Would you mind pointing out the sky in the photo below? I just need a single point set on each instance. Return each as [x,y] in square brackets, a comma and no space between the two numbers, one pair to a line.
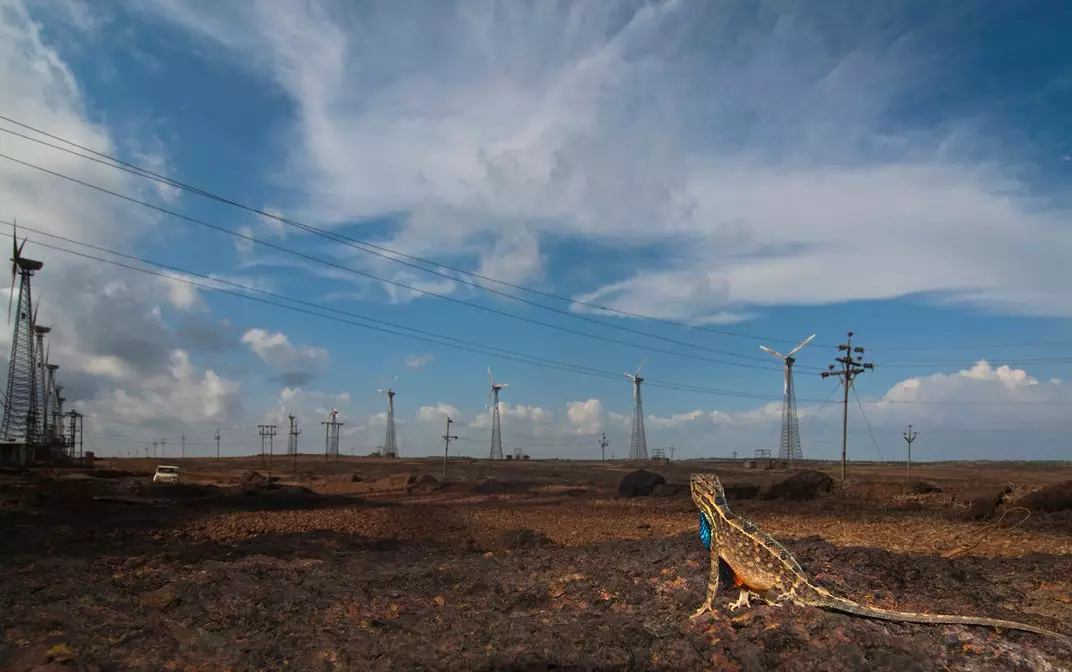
[559,191]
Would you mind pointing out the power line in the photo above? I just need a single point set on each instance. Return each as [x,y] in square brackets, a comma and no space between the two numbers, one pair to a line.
[393,256]
[280,248]
[868,423]
[371,248]
[419,334]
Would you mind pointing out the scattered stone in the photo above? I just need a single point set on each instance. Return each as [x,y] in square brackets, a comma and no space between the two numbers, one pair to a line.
[356,478]
[639,483]
[803,485]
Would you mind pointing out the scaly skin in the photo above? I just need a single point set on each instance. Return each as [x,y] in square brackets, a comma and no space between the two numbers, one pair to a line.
[765,568]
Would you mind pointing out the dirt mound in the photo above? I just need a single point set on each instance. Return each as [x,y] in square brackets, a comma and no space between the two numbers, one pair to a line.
[1056,497]
[921,488]
[523,538]
[252,479]
[735,491]
[803,485]
[669,490]
[639,483]
[983,503]
[423,483]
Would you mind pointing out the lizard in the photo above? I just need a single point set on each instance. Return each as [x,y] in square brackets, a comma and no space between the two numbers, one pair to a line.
[764,568]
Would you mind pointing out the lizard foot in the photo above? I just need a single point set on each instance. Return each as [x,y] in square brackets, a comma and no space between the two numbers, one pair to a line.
[704,608]
[743,600]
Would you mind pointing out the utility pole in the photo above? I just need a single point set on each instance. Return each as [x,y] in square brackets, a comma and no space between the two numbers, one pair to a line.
[909,436]
[163,448]
[217,437]
[155,444]
[672,449]
[852,365]
[183,437]
[446,446]
[735,454]
[292,441]
[603,448]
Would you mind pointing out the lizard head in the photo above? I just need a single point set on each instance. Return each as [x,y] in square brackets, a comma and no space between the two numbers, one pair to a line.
[708,495]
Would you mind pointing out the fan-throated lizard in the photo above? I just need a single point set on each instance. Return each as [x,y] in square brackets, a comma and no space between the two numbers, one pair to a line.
[763,567]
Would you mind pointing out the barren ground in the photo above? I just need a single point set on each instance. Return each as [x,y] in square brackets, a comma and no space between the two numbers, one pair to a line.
[532,565]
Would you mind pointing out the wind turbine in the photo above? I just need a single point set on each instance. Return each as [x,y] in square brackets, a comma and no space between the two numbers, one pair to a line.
[638,442]
[496,430]
[790,446]
[390,446]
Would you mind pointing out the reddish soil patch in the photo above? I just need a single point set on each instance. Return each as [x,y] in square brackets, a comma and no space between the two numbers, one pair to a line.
[533,572]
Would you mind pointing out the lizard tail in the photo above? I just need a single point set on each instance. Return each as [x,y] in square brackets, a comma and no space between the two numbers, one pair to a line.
[849,607]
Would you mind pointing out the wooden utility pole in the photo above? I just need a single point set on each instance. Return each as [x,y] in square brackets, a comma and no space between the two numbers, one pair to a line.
[603,448]
[909,437]
[217,443]
[183,438]
[852,365]
[446,446]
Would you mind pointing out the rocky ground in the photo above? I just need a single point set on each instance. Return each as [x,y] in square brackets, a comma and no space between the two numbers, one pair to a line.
[111,573]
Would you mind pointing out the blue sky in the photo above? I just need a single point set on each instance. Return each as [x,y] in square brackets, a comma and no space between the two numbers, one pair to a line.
[901,172]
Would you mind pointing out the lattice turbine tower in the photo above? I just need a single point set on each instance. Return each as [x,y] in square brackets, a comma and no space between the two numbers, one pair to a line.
[496,429]
[638,442]
[21,418]
[789,449]
[390,443]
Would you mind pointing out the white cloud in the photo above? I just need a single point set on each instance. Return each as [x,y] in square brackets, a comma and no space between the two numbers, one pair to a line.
[438,413]
[415,362]
[751,154]
[295,365]
[585,416]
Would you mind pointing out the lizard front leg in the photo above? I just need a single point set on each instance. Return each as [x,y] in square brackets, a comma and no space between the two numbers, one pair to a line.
[712,581]
[743,600]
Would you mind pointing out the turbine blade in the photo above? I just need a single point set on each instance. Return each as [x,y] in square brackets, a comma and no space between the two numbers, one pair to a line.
[18,252]
[772,352]
[629,375]
[502,385]
[640,367]
[802,344]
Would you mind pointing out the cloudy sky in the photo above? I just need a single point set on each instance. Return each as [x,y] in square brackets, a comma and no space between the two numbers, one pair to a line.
[558,191]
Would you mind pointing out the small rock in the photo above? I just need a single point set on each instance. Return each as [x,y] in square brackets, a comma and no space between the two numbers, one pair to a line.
[161,598]
[639,483]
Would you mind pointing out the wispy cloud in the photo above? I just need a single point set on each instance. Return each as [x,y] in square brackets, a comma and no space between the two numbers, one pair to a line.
[762,149]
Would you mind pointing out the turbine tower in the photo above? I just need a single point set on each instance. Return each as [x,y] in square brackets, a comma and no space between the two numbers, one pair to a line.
[390,445]
[496,430]
[790,445]
[638,443]
[41,384]
[20,408]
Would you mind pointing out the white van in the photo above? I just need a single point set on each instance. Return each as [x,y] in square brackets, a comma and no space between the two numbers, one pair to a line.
[166,474]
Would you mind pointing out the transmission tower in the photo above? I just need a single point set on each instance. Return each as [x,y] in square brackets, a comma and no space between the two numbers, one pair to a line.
[292,436]
[76,433]
[852,365]
[638,442]
[603,447]
[390,445]
[447,438]
[48,411]
[267,433]
[790,446]
[20,408]
[331,435]
[496,429]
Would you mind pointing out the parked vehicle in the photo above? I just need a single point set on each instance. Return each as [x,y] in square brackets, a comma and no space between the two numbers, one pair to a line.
[166,474]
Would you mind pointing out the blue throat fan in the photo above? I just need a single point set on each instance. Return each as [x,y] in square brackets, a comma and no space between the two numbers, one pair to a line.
[705,532]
